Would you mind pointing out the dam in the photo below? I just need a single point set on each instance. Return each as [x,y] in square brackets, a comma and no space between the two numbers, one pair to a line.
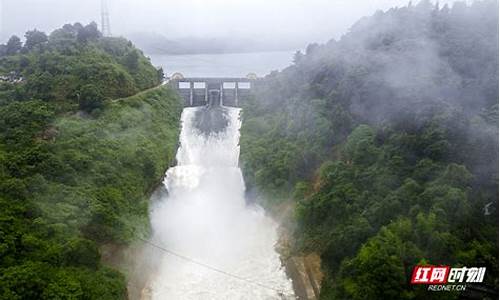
[212,91]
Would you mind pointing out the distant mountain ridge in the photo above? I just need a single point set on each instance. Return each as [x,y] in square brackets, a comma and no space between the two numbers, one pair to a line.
[155,43]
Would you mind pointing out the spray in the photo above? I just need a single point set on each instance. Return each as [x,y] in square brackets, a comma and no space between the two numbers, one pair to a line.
[205,218]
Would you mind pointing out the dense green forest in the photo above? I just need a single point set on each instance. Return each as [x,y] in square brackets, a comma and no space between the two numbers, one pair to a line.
[386,143]
[78,159]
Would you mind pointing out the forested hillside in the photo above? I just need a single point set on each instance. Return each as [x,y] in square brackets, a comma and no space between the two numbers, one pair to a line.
[386,141]
[73,67]
[77,159]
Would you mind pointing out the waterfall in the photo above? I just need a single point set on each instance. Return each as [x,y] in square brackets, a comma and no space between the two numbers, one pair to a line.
[205,218]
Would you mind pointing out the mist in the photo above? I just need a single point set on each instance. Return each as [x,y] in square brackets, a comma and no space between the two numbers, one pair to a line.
[206,218]
[293,23]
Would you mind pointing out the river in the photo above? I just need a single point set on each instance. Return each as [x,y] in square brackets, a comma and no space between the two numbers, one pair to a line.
[216,246]
[224,65]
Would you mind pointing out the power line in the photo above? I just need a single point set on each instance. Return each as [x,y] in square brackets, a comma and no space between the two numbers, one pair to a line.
[280,292]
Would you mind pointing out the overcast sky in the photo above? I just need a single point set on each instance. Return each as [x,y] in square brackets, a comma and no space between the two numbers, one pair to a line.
[303,20]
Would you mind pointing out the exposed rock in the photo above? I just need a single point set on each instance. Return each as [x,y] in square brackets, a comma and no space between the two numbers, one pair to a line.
[305,271]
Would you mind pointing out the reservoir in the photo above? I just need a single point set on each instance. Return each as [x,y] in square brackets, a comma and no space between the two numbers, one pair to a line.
[224,65]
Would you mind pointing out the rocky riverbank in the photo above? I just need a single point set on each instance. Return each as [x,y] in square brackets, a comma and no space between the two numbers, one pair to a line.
[304,269]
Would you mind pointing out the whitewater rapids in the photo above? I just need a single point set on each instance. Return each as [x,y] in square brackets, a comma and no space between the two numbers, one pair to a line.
[205,218]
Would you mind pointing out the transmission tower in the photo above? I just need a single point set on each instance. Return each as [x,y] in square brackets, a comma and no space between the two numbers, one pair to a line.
[105,26]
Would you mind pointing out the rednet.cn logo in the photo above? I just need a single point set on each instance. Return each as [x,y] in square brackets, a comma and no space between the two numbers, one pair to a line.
[444,278]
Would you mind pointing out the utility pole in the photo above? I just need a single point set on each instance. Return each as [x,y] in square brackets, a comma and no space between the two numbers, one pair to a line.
[105,25]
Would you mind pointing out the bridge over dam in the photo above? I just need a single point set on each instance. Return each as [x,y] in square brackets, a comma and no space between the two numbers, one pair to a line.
[213,91]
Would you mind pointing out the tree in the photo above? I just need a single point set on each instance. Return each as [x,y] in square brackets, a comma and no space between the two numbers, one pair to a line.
[72,29]
[21,121]
[88,33]
[81,252]
[360,146]
[297,57]
[378,269]
[161,73]
[24,281]
[14,45]
[3,50]
[34,38]
[90,98]
[132,60]
[63,40]
[311,48]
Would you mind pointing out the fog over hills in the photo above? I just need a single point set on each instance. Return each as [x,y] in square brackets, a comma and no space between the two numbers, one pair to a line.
[155,43]
[272,22]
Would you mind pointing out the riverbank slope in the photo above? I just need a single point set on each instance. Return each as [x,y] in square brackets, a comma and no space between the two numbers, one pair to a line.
[385,144]
[76,167]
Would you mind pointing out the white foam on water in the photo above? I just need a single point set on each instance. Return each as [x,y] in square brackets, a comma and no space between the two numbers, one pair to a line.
[206,219]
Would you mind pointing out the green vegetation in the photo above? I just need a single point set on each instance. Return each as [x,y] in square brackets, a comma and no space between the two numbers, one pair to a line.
[77,164]
[74,67]
[386,141]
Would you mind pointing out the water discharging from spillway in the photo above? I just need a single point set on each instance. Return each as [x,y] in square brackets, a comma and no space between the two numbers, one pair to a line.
[205,218]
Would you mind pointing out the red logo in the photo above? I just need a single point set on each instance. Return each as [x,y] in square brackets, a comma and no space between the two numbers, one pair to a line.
[430,275]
